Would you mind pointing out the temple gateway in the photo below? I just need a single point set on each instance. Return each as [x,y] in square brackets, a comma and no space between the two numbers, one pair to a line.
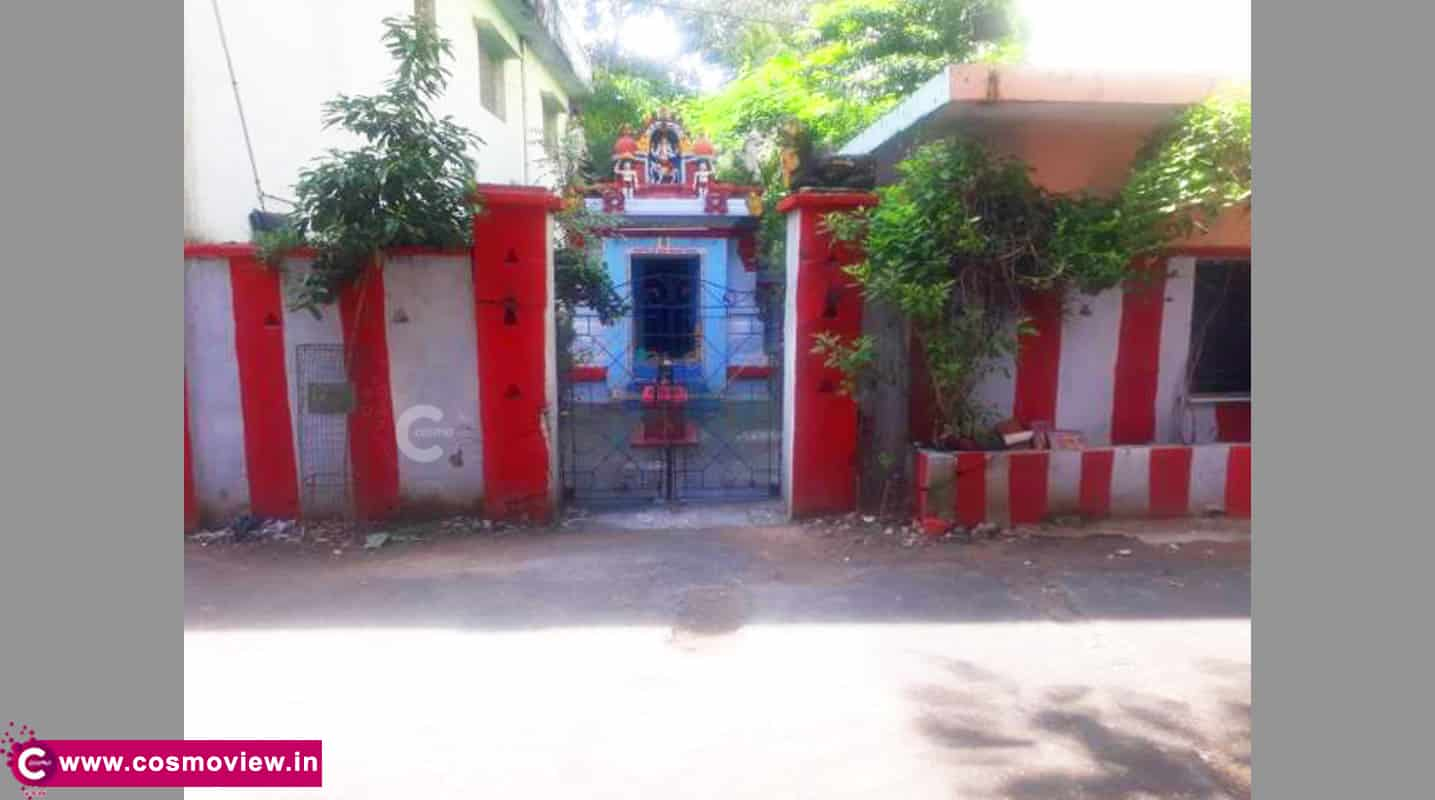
[680,398]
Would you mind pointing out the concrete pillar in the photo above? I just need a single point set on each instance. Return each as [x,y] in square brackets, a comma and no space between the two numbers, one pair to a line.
[819,431]
[517,377]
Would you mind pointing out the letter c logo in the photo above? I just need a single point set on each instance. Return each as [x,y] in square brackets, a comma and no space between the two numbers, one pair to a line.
[423,455]
[22,763]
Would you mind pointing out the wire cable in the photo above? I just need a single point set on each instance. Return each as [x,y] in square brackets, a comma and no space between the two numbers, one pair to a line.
[238,104]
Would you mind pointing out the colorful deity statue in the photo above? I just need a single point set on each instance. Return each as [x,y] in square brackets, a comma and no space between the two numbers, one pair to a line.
[664,157]
[702,151]
[625,157]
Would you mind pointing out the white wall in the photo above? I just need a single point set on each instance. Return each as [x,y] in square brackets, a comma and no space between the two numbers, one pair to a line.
[1086,370]
[289,58]
[432,355]
[433,379]
[216,423]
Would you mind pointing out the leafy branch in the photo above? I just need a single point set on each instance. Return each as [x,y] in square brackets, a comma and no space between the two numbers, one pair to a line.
[962,234]
[411,182]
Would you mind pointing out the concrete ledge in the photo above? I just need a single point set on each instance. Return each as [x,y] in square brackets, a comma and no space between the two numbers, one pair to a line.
[1017,487]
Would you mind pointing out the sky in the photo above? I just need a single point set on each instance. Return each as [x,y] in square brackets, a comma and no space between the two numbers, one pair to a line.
[1212,36]
[1150,36]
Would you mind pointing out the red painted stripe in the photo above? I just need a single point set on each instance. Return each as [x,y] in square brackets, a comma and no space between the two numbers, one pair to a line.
[1238,482]
[1038,357]
[249,250]
[219,250]
[588,374]
[1138,358]
[510,284]
[1210,251]
[1170,469]
[191,499]
[373,448]
[748,372]
[823,202]
[1233,422]
[1096,467]
[971,488]
[1026,487]
[264,389]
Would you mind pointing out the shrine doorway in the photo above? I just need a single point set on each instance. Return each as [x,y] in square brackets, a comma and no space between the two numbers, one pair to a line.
[655,408]
[665,314]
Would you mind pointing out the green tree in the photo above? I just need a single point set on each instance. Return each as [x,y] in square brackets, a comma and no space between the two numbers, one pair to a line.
[851,62]
[625,92]
[961,233]
[1191,172]
[410,183]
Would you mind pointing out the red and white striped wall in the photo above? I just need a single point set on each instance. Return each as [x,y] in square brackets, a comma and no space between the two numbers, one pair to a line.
[1112,367]
[1023,487]
[416,339]
[406,336]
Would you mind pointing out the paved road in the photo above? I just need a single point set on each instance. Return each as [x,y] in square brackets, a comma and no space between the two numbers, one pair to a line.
[748,662]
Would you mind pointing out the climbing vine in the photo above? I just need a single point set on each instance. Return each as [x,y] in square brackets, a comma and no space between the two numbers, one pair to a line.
[962,233]
[1190,173]
[409,183]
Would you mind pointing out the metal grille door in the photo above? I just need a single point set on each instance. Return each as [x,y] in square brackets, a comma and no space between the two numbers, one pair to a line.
[715,436]
[324,403]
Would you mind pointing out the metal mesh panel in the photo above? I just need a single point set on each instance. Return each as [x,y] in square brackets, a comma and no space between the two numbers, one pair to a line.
[324,400]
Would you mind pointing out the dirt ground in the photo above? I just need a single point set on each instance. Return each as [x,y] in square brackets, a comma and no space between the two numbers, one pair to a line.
[841,659]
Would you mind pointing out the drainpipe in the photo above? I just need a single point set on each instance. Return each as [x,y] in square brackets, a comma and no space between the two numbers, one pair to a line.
[523,102]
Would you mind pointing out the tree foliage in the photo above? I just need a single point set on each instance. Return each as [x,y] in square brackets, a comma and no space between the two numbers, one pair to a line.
[852,61]
[410,182]
[580,277]
[963,233]
[954,242]
[878,50]
[625,92]
[1191,172]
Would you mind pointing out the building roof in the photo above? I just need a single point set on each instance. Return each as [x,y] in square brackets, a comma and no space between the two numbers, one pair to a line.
[966,92]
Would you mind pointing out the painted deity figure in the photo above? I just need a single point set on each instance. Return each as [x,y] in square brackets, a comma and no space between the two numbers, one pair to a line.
[664,158]
[627,175]
[702,176]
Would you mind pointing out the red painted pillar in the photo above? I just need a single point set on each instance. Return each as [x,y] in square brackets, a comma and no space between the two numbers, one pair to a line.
[819,421]
[1138,356]
[373,448]
[513,296]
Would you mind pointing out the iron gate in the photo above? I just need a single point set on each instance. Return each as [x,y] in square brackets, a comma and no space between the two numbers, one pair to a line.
[716,435]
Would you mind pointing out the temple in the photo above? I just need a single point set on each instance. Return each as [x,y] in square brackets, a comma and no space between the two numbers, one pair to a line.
[682,252]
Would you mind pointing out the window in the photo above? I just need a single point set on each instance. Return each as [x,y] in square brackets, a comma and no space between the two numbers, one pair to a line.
[490,75]
[1221,329]
[550,127]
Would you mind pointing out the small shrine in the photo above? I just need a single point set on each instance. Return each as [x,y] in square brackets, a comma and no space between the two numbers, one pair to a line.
[682,251]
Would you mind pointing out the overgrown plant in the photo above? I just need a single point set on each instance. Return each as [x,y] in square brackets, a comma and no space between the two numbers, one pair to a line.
[580,277]
[1187,175]
[411,182]
[955,242]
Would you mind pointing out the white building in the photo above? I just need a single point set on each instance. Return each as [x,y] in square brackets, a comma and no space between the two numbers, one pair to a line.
[516,70]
